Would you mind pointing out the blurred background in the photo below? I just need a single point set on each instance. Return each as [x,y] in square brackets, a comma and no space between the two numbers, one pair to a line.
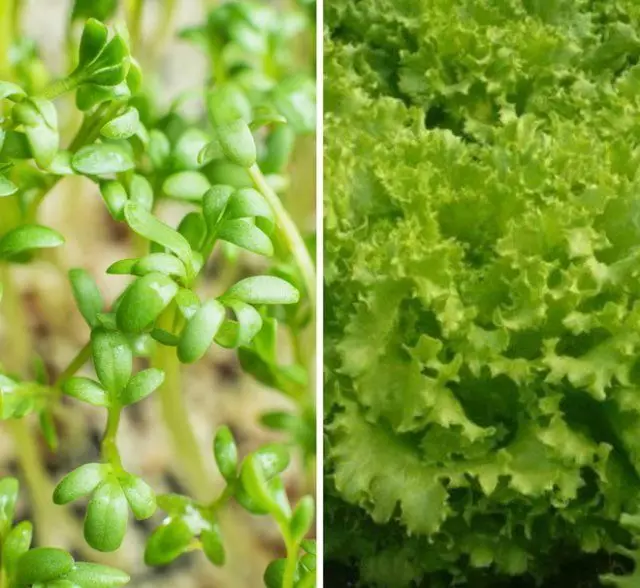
[215,390]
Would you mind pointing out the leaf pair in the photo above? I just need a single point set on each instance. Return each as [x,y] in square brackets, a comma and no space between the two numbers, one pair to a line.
[113,362]
[187,526]
[43,567]
[233,135]
[241,217]
[101,61]
[39,120]
[117,195]
[305,574]
[112,495]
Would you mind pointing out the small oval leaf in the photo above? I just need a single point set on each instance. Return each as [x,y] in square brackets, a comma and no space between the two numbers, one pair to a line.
[80,482]
[43,564]
[263,290]
[199,332]
[105,523]
[143,302]
[99,159]
[27,237]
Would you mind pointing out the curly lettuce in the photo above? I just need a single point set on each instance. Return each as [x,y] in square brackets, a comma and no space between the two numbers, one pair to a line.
[482,265]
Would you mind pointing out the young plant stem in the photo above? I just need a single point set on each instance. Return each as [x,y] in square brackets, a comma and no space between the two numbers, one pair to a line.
[289,576]
[289,232]
[136,12]
[76,363]
[109,445]
[176,416]
[59,87]
[36,479]
[7,35]
[163,29]
[17,359]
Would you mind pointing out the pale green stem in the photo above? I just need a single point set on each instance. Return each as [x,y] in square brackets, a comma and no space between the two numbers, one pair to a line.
[59,87]
[136,11]
[176,417]
[37,480]
[109,445]
[162,32]
[7,35]
[289,232]
[293,548]
[76,363]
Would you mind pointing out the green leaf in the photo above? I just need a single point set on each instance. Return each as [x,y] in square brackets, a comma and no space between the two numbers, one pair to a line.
[236,142]
[92,42]
[16,544]
[27,237]
[7,187]
[11,91]
[168,542]
[248,203]
[188,302]
[274,574]
[302,518]
[86,390]
[140,496]
[212,150]
[255,484]
[9,488]
[111,66]
[80,482]
[115,197]
[197,335]
[141,385]
[214,204]
[263,290]
[159,149]
[112,358]
[238,333]
[141,192]
[226,453]
[90,95]
[43,564]
[61,164]
[163,263]
[274,459]
[194,229]
[105,523]
[40,122]
[143,301]
[101,159]
[188,147]
[265,116]
[294,97]
[122,126]
[87,295]
[146,225]
[279,147]
[246,235]
[165,337]
[123,267]
[213,545]
[91,575]
[186,185]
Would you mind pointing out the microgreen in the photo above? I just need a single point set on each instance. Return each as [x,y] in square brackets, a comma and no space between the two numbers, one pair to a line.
[138,154]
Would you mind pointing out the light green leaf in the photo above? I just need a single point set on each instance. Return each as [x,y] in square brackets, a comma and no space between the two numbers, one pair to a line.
[100,159]
[27,237]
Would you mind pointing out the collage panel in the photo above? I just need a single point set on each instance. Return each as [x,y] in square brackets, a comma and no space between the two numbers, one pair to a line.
[158,294]
[481,340]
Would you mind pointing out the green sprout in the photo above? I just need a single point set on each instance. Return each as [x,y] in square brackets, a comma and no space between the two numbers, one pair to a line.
[228,169]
